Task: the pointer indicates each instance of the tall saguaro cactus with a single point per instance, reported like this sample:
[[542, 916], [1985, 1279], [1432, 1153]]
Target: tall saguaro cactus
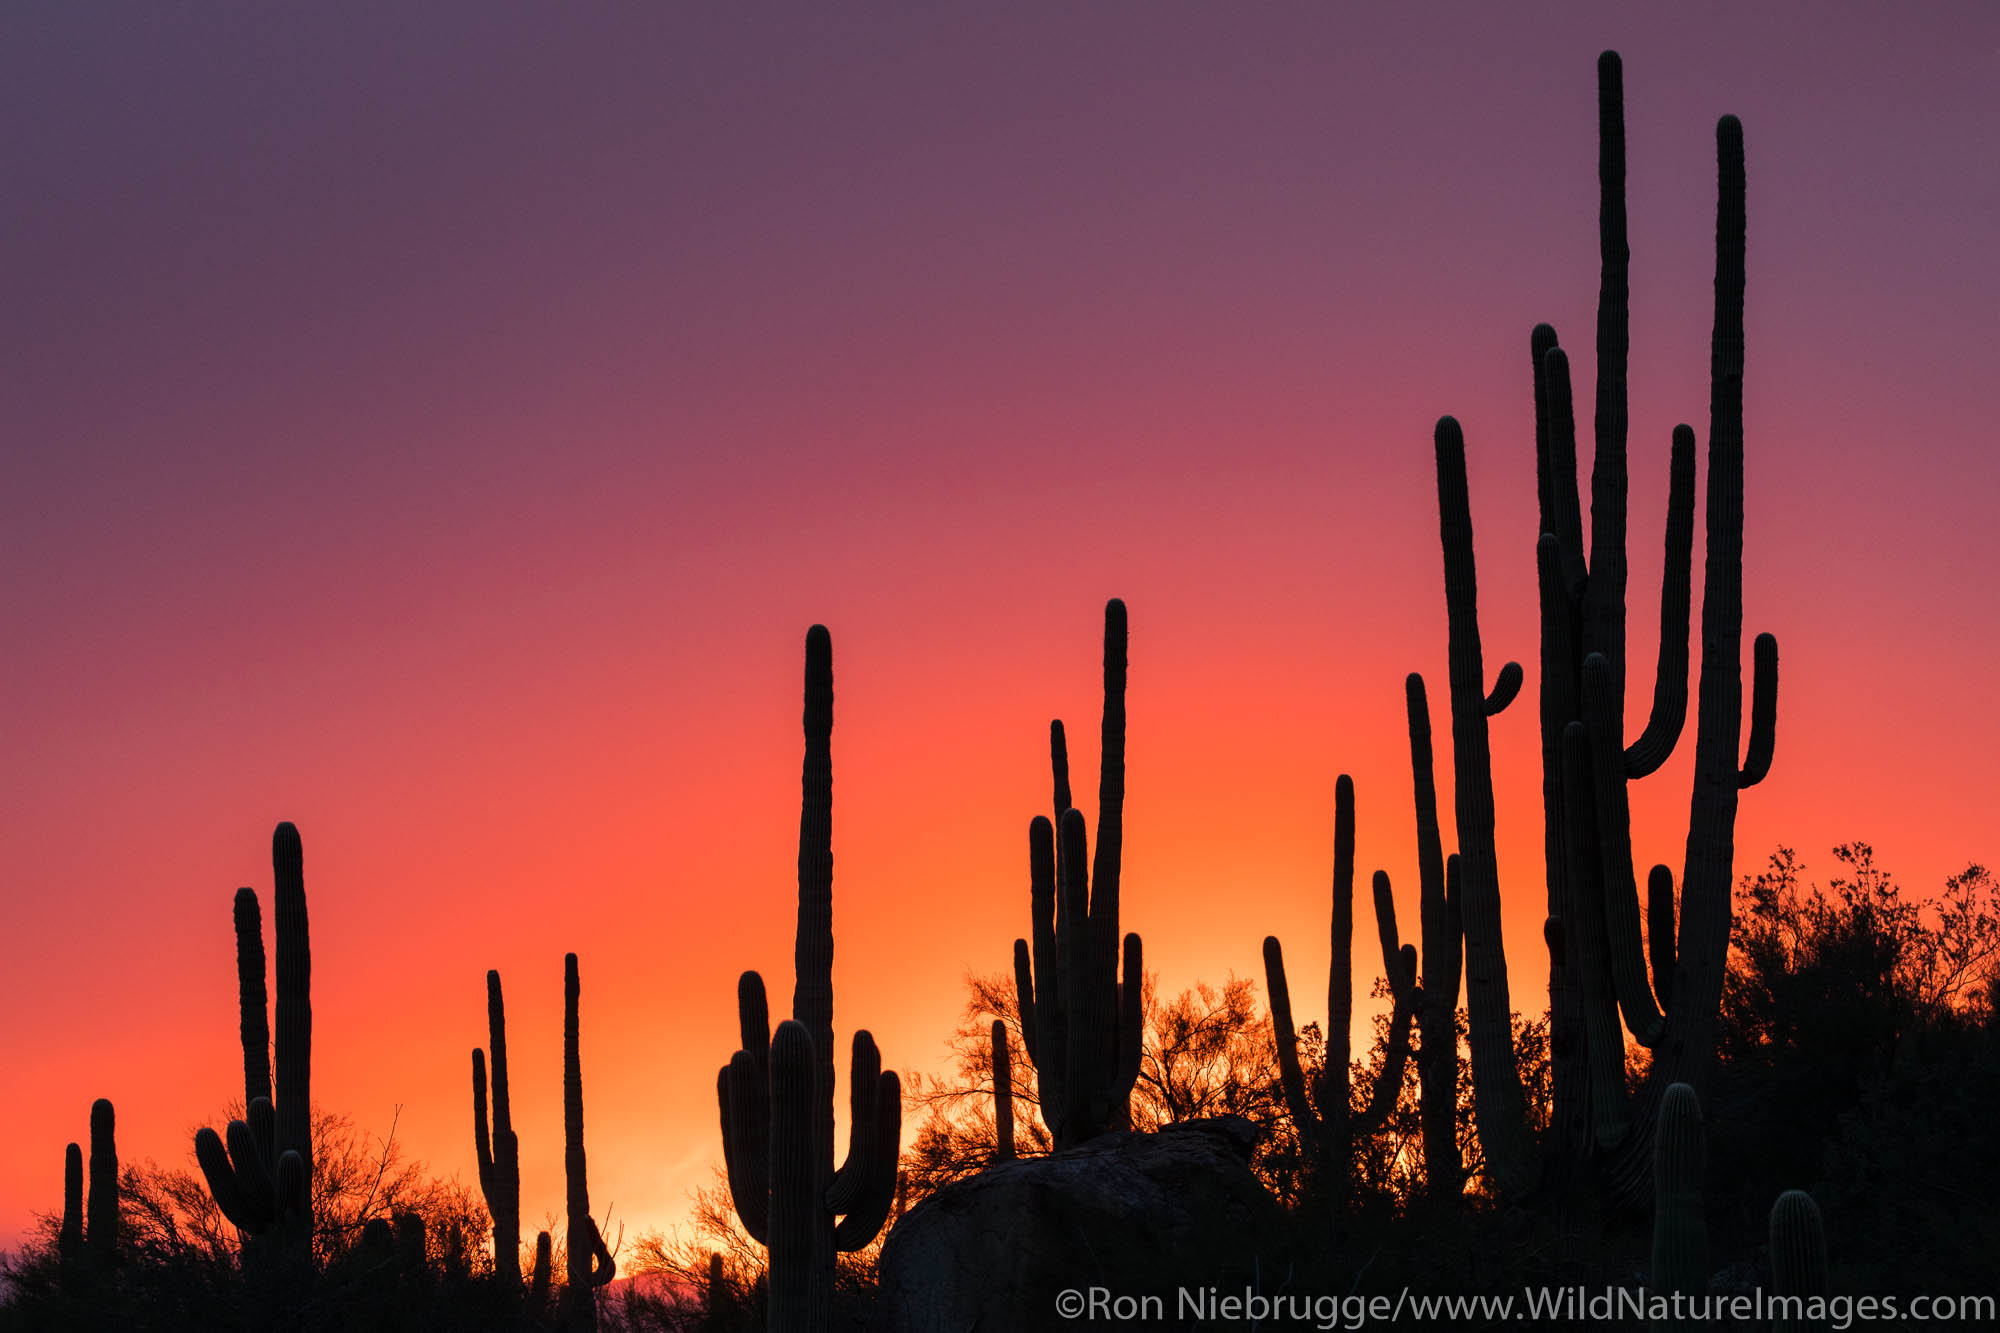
[[1080, 1024], [262, 1178], [776, 1093], [590, 1264], [500, 1152], [1324, 1118], [1443, 929]]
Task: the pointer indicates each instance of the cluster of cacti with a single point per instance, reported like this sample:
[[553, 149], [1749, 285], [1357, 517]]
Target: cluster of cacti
[[262, 1178], [89, 1226], [1324, 1118], [1080, 1024], [1598, 963], [590, 1264], [776, 1093]]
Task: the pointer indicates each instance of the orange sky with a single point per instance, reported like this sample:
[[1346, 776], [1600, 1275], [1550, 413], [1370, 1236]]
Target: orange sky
[[443, 438]]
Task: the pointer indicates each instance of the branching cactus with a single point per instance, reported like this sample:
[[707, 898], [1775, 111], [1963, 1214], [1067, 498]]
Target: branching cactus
[[1080, 1023], [1680, 1232], [776, 1093], [261, 1178], [1599, 983], [1798, 1263], [499, 1152], [1324, 1117], [590, 1264]]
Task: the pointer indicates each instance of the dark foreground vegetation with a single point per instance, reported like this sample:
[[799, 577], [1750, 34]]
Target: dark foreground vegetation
[[1743, 1087]]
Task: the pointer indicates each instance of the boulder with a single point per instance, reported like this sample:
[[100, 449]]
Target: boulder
[[1122, 1231]]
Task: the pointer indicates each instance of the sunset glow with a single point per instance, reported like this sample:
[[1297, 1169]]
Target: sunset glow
[[438, 426]]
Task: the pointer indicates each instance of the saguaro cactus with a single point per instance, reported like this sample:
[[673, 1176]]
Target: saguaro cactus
[[1082, 1026], [1798, 1263], [1003, 1094], [262, 1179], [590, 1264], [69, 1239], [1325, 1120], [499, 1153], [1680, 1232], [776, 1093]]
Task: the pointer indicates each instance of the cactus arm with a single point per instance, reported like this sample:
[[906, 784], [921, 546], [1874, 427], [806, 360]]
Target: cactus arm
[[252, 1000], [1660, 931], [1082, 1011], [1798, 1256], [1388, 1085], [1024, 996], [583, 1238], [1585, 936], [213, 1159], [1670, 695], [482, 1146], [1285, 1035], [1003, 1095], [743, 1091], [1763, 712], [1131, 1023], [864, 1082], [1105, 869], [1400, 978], [1680, 1234], [876, 1195], [1505, 686], [1605, 772]]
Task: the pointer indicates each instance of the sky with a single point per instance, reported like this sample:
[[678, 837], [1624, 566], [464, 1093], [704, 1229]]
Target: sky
[[438, 426]]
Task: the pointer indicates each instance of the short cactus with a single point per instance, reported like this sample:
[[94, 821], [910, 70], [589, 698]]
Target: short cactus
[[261, 1180], [1003, 1094], [69, 1238], [1080, 1024], [1325, 1118], [1798, 1264], [1680, 1233]]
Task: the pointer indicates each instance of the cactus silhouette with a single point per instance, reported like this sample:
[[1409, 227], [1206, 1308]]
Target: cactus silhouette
[[538, 1284], [776, 1093], [1443, 960], [89, 1226], [69, 1238], [1798, 1260], [499, 1153], [1082, 1026], [261, 1179], [1324, 1118], [1003, 1095], [1680, 1232], [590, 1264], [1599, 984]]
